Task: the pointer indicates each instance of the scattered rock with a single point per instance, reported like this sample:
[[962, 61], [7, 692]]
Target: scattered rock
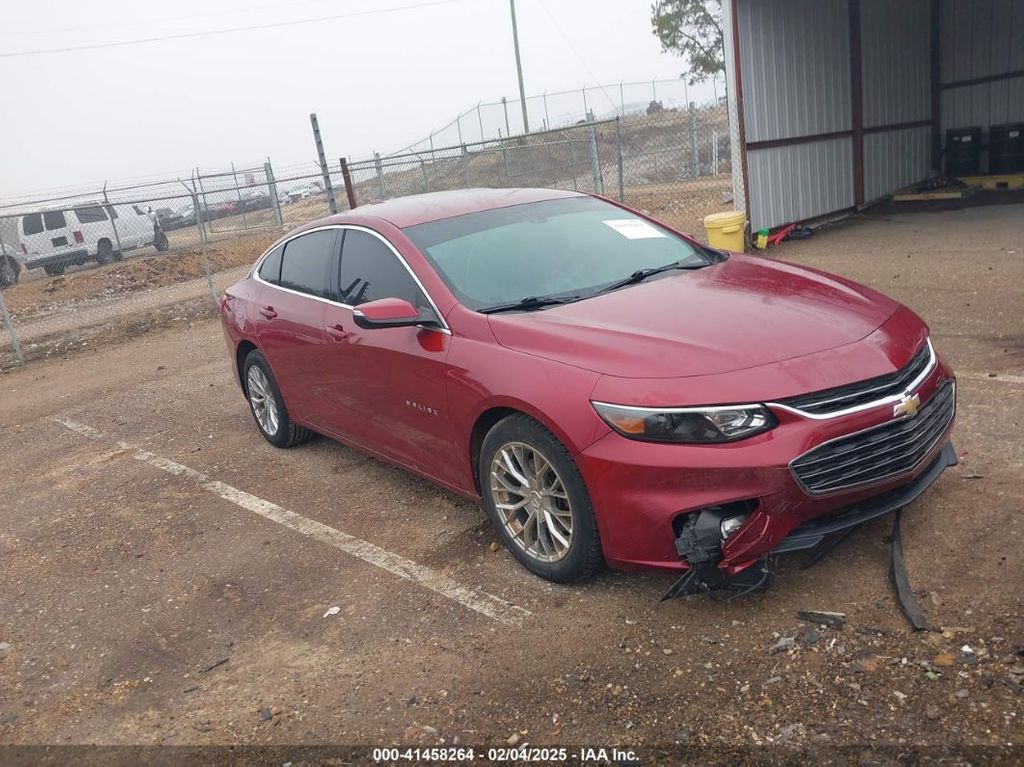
[[832, 620], [783, 645], [792, 732], [275, 711], [932, 712], [812, 635], [513, 739], [944, 659], [494, 546], [666, 651], [962, 693], [866, 665], [265, 714], [869, 631], [986, 681], [967, 656], [332, 611]]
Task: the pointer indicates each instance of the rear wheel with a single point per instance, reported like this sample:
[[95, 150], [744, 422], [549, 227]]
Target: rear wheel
[[9, 269], [537, 500], [55, 270], [104, 252], [267, 405]]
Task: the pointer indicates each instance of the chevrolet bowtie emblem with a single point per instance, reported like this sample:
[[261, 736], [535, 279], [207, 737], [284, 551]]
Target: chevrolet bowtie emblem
[[908, 406]]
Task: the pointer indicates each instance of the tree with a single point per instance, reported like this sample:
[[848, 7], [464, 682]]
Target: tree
[[692, 29]]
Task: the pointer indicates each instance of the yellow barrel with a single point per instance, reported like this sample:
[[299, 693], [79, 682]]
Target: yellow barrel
[[726, 230]]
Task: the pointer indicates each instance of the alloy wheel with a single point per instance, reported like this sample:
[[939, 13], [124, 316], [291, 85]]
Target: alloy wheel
[[532, 501], [264, 406]]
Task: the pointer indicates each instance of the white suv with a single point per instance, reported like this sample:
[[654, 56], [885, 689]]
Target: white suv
[[56, 239]]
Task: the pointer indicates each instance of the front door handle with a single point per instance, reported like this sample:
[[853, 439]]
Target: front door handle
[[268, 312], [337, 332]]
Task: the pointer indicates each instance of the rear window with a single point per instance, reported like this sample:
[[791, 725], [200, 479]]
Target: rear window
[[112, 211], [54, 219], [90, 215], [306, 264], [270, 269], [32, 223]]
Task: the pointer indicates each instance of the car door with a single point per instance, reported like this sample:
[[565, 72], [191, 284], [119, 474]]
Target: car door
[[289, 317], [387, 385]]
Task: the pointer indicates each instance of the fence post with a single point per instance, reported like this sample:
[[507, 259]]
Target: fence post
[[504, 159], [572, 163], [9, 326], [426, 181], [595, 160], [694, 159], [586, 109], [346, 176], [380, 174], [238, 194], [324, 172], [622, 101], [504, 104], [272, 191], [547, 119], [618, 153], [458, 128], [480, 120], [202, 242], [464, 162], [113, 221], [714, 152]]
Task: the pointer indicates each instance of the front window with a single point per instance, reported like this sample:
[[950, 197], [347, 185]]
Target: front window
[[570, 247]]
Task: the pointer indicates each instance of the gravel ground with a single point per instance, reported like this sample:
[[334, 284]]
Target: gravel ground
[[143, 604]]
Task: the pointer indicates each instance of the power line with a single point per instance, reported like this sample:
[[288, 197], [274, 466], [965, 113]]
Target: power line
[[578, 55], [232, 30]]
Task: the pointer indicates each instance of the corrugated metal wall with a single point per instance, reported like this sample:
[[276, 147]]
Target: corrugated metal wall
[[795, 71], [896, 88], [796, 83], [981, 38]]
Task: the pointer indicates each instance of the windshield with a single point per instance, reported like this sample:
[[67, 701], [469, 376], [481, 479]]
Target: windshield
[[569, 247]]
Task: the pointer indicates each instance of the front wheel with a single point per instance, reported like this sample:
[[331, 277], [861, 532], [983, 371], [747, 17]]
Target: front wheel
[[267, 405], [537, 501]]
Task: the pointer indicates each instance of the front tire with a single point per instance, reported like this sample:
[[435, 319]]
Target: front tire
[[537, 500], [267, 405]]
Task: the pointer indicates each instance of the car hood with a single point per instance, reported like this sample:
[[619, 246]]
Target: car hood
[[741, 313]]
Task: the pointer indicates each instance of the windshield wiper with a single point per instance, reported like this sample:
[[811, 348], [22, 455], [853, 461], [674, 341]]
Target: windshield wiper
[[528, 303], [642, 274]]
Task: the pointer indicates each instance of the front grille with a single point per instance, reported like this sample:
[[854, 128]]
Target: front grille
[[879, 453], [851, 395]]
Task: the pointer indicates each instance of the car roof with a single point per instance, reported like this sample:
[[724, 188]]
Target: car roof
[[420, 208]]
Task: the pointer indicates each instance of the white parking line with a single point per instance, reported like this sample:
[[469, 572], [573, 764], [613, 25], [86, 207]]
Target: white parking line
[[480, 601]]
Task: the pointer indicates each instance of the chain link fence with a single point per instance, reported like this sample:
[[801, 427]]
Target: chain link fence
[[98, 264]]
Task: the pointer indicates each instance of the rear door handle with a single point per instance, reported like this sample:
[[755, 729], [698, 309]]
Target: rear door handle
[[337, 332], [268, 312]]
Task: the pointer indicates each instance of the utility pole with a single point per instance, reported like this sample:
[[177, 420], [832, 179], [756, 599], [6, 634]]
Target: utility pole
[[519, 66]]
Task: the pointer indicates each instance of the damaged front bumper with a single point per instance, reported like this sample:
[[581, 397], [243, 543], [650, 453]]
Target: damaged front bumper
[[701, 539]]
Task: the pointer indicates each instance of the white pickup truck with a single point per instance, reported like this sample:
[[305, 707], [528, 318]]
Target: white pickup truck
[[55, 239]]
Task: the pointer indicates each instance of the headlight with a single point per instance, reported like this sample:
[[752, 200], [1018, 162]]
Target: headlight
[[687, 424]]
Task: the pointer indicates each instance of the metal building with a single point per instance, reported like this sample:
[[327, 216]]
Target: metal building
[[838, 103]]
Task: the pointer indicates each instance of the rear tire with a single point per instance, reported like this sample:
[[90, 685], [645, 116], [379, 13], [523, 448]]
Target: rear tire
[[547, 521], [9, 270], [104, 252], [267, 405], [55, 270]]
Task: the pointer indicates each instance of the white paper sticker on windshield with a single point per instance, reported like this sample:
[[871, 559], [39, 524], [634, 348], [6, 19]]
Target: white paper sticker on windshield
[[634, 228]]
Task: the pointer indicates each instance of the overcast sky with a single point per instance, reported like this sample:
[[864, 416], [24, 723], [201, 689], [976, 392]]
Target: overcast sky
[[377, 81]]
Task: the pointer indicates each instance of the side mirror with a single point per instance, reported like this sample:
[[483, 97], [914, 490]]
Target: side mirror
[[390, 313]]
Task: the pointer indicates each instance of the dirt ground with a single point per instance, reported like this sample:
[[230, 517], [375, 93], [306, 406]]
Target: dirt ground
[[169, 578]]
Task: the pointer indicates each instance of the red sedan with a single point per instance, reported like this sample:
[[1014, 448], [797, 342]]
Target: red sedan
[[610, 389]]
